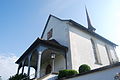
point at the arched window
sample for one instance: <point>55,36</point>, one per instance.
<point>109,54</point>
<point>48,69</point>
<point>96,53</point>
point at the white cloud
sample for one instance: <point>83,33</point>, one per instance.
<point>7,66</point>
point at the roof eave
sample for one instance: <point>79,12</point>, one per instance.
<point>37,42</point>
<point>93,33</point>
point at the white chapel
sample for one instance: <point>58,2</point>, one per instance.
<point>66,44</point>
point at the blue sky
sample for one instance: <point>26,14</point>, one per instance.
<point>22,21</point>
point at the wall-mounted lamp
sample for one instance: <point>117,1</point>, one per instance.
<point>53,61</point>
<point>52,55</point>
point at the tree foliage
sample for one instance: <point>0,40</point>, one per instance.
<point>84,68</point>
<point>19,77</point>
<point>66,73</point>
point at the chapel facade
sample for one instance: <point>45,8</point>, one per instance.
<point>66,44</point>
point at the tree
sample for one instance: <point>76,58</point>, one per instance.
<point>0,78</point>
<point>19,77</point>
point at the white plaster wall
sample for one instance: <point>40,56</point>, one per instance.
<point>79,45</point>
<point>81,49</point>
<point>61,34</point>
<point>103,53</point>
<point>107,74</point>
<point>60,31</point>
<point>43,68</point>
<point>59,64</point>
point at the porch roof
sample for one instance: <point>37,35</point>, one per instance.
<point>38,41</point>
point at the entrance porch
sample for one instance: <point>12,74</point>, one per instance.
<point>45,56</point>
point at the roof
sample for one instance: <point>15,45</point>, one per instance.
<point>79,26</point>
<point>38,41</point>
<point>95,70</point>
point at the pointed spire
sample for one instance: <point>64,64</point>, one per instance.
<point>90,27</point>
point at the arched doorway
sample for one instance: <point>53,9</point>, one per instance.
<point>48,69</point>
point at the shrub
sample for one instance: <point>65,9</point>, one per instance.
<point>84,68</point>
<point>19,77</point>
<point>66,73</point>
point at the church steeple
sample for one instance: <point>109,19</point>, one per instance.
<point>90,27</point>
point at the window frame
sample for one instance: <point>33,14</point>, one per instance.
<point>96,52</point>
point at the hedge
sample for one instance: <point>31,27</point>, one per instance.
<point>66,73</point>
<point>84,68</point>
<point>19,77</point>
